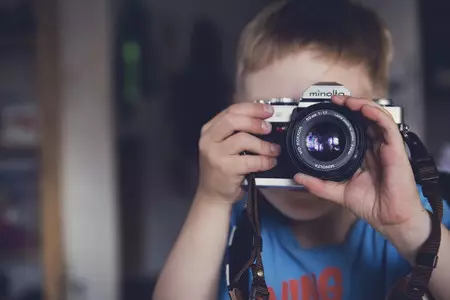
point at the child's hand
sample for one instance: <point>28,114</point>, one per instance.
<point>222,168</point>
<point>384,192</point>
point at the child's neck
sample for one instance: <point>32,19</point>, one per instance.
<point>330,229</point>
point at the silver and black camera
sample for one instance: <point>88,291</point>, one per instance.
<point>317,137</point>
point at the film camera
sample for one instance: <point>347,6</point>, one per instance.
<point>317,137</point>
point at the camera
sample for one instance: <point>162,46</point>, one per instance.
<point>317,137</point>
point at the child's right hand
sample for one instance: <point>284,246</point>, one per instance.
<point>222,168</point>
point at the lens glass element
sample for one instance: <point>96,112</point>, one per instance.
<point>325,141</point>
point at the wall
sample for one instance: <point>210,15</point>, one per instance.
<point>88,181</point>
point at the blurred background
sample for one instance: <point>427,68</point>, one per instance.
<point>101,104</point>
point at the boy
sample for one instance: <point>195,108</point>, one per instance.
<point>355,238</point>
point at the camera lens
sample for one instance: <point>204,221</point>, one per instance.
<point>325,141</point>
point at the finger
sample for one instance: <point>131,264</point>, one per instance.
<point>373,112</point>
<point>256,110</point>
<point>330,190</point>
<point>342,100</point>
<point>229,123</point>
<point>386,124</point>
<point>246,164</point>
<point>239,142</point>
<point>370,162</point>
<point>356,104</point>
<point>212,121</point>
<point>374,134</point>
<point>376,138</point>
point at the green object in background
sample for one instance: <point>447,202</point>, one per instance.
<point>136,66</point>
<point>131,54</point>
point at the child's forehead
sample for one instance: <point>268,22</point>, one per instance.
<point>290,76</point>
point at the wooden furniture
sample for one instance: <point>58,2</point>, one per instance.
<point>32,258</point>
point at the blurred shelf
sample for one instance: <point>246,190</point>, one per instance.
<point>14,40</point>
<point>17,243</point>
<point>6,151</point>
<point>11,156</point>
<point>21,255</point>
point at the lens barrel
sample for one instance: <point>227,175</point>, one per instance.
<point>327,141</point>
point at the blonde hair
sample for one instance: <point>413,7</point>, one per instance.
<point>339,29</point>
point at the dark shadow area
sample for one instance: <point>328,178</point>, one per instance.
<point>139,288</point>
<point>32,295</point>
<point>131,153</point>
<point>136,65</point>
<point>199,92</point>
<point>4,286</point>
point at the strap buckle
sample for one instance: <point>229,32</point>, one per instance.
<point>259,290</point>
<point>258,293</point>
<point>427,169</point>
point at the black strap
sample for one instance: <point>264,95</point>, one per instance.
<point>259,290</point>
<point>415,286</point>
<point>238,288</point>
<point>239,251</point>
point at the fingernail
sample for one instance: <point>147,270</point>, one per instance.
<point>266,126</point>
<point>268,108</point>
<point>275,148</point>
<point>301,176</point>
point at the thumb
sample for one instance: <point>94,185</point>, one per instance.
<point>329,190</point>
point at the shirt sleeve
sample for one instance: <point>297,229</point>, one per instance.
<point>446,215</point>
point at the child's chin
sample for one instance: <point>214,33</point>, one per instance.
<point>305,214</point>
<point>298,206</point>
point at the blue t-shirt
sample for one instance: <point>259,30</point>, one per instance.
<point>365,266</point>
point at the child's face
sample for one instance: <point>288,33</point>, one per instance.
<point>289,77</point>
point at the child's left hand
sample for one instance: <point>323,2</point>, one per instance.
<point>384,192</point>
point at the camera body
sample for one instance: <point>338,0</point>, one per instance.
<point>317,137</point>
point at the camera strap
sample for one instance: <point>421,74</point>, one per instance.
<point>412,287</point>
<point>415,285</point>
<point>259,290</point>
